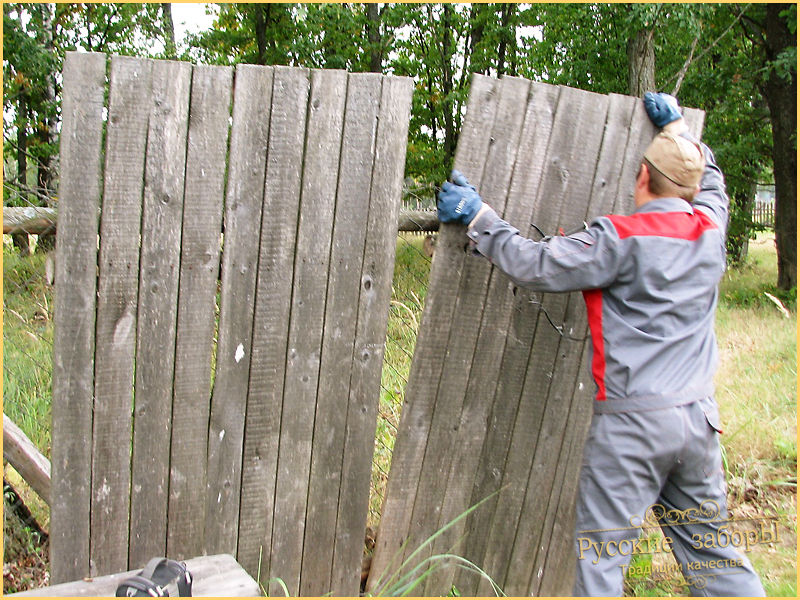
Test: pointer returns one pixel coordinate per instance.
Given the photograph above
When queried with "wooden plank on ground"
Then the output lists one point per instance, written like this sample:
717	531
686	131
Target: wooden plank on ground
338	336
212	576
312	259
79	195
207	147
271	320
243	211
540	111
373	302
426	369
120	230
159	271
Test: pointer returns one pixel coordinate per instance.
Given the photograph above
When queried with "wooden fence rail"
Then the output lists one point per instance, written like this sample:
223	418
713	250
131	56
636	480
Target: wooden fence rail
271	463
35	220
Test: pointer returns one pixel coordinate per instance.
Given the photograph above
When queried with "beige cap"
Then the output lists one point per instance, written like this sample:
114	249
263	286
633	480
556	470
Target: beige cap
678	159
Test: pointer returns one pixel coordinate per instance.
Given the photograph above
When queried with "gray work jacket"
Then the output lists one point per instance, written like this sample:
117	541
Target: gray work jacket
650	284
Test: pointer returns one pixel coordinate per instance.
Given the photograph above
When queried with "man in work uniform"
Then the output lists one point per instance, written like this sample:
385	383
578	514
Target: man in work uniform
650	284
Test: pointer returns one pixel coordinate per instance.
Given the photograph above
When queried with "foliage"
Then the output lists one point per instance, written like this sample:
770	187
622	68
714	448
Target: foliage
702	51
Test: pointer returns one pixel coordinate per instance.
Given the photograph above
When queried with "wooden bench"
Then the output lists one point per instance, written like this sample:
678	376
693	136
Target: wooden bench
218	575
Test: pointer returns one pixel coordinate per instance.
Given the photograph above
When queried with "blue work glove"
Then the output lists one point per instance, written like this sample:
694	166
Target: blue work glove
661	108
459	202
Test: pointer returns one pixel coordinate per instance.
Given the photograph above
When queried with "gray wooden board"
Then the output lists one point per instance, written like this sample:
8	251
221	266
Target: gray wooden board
271	320
373	302
515	355
563	177
338	339
166	156
426	369
312	259
594	149
553	573
467	407
243	210
158	300
206	155
213	576
120	225
74	345
604	191
585	111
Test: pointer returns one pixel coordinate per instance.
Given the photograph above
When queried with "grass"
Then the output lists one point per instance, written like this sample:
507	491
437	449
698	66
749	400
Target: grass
409	287
27	345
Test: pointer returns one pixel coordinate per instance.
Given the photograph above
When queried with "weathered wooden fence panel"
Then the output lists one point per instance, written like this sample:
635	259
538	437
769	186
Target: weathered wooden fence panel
270	462
498	400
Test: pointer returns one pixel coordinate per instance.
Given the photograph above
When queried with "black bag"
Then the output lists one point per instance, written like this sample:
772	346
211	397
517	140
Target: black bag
154	580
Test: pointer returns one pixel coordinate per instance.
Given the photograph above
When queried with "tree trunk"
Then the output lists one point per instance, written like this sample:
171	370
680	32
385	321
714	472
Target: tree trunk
22	138
46	132
262	17
641	63
475	37
168	28
374	37
781	96
507	41
20	240
447	83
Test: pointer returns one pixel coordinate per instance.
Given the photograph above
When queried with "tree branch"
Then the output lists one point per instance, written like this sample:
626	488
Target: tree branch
685	67
682	73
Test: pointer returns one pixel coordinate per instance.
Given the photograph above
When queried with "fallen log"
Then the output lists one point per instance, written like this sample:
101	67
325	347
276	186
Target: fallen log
34	220
417	220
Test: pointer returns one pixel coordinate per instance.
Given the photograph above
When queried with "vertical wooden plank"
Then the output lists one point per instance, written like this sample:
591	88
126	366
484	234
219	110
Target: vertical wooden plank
74	344
271	320
338	337
483	295
243	211
375	285
575	136
641	134
604	191
426	369
158	300
207	147
320	173
554	571
506	387
695	119
118	288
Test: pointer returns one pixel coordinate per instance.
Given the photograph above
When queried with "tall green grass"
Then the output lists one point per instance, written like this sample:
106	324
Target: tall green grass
27	345
409	287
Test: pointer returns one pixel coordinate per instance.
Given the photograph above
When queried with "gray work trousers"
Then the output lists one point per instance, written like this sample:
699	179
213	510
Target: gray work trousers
668	457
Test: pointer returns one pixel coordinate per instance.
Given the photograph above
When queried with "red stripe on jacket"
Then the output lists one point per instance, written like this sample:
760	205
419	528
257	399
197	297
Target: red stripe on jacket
594	313
680	225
